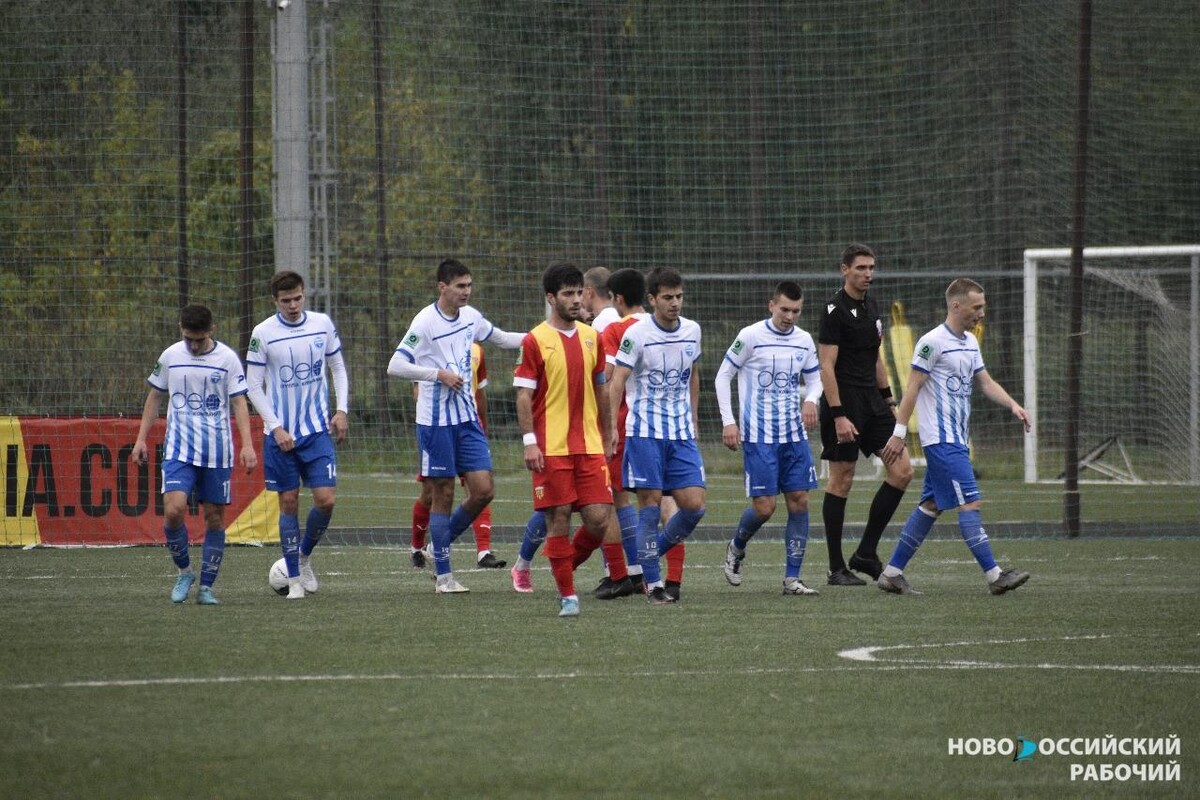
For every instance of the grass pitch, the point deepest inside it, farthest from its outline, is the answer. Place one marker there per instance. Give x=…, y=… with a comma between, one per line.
x=375, y=687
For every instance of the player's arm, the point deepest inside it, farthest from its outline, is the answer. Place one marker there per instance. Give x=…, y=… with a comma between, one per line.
x=534, y=460
x=616, y=391
x=481, y=408
x=604, y=412
x=828, y=356
x=241, y=418
x=141, y=452
x=401, y=366
x=255, y=375
x=730, y=435
x=895, y=445
x=694, y=390
x=504, y=339
x=340, y=423
x=813, y=388
x=881, y=379
x=995, y=392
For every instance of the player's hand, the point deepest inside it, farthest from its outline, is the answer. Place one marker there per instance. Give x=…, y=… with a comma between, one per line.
x=284, y=439
x=249, y=458
x=730, y=436
x=452, y=380
x=846, y=432
x=534, y=461
x=808, y=415
x=140, y=453
x=1022, y=415
x=341, y=426
x=892, y=450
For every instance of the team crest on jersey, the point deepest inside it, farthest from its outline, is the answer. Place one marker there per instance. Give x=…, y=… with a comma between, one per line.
x=854, y=313
x=255, y=346
x=157, y=367
x=216, y=377
x=627, y=345
x=589, y=344
x=925, y=352
x=829, y=308
x=737, y=347
x=319, y=344
x=539, y=492
x=689, y=350
x=411, y=340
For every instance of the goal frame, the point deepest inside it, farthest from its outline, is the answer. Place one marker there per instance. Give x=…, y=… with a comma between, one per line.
x=1034, y=257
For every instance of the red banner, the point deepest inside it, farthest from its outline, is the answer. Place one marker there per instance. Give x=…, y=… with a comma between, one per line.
x=73, y=481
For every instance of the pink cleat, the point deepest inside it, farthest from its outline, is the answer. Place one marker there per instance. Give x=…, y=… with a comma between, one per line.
x=522, y=580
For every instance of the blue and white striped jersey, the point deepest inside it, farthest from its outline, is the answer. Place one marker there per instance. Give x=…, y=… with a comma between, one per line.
x=294, y=356
x=657, y=392
x=441, y=342
x=198, y=389
x=771, y=366
x=944, y=405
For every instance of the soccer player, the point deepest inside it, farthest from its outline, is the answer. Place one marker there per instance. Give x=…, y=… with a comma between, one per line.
x=289, y=352
x=482, y=524
x=857, y=414
x=204, y=381
x=597, y=299
x=770, y=359
x=562, y=409
x=655, y=371
x=436, y=352
x=945, y=365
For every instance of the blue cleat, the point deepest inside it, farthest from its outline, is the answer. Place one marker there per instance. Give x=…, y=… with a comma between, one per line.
x=569, y=607
x=205, y=597
x=183, y=585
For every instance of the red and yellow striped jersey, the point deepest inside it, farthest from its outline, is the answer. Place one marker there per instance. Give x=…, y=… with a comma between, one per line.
x=562, y=370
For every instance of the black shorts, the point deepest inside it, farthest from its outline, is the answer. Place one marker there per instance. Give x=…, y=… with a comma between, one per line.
x=869, y=412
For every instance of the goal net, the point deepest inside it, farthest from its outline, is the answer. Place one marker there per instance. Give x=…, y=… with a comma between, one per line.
x=1139, y=420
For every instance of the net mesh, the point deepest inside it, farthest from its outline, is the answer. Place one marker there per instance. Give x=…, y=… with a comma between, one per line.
x=734, y=139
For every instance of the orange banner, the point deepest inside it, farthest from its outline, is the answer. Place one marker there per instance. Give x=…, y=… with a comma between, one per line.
x=72, y=482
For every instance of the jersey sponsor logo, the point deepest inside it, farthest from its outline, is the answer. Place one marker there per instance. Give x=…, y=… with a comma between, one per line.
x=669, y=378
x=925, y=352
x=255, y=345
x=779, y=379
x=157, y=367
x=411, y=340
x=738, y=344
x=302, y=371
x=829, y=308
x=626, y=345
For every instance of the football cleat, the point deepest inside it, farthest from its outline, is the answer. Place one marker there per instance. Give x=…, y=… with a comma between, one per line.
x=522, y=580
x=672, y=588
x=1009, y=579
x=844, y=577
x=733, y=564
x=568, y=607
x=895, y=584
x=295, y=589
x=611, y=590
x=420, y=558
x=308, y=578
x=489, y=561
x=869, y=566
x=447, y=585
x=796, y=586
x=205, y=596
x=658, y=597
x=183, y=585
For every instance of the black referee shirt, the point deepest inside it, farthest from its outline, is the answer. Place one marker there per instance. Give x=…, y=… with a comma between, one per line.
x=857, y=329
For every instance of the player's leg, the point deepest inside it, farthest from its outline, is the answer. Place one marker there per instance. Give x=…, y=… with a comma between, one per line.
x=676, y=556
x=420, y=523
x=684, y=479
x=643, y=469
x=320, y=475
x=559, y=551
x=474, y=462
x=535, y=534
x=437, y=446
x=842, y=459
x=281, y=472
x=214, y=494
x=915, y=529
x=180, y=477
x=874, y=433
x=760, y=468
x=797, y=477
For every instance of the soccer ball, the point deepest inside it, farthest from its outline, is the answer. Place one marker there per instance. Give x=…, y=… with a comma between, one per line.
x=277, y=577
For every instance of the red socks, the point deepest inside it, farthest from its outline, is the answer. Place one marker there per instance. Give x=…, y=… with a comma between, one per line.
x=560, y=552
x=420, y=524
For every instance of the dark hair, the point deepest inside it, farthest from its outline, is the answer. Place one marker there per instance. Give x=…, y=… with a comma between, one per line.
x=789, y=289
x=629, y=285
x=596, y=278
x=196, y=318
x=662, y=277
x=450, y=269
x=560, y=276
x=285, y=281
x=854, y=251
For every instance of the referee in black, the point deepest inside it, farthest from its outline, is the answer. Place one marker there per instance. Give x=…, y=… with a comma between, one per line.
x=857, y=414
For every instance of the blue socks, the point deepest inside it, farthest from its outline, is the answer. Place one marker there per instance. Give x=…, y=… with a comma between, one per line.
x=460, y=520
x=796, y=540
x=439, y=536
x=314, y=529
x=214, y=550
x=647, y=544
x=289, y=539
x=535, y=534
x=679, y=527
x=915, y=529
x=748, y=525
x=970, y=523
x=177, y=545
x=627, y=518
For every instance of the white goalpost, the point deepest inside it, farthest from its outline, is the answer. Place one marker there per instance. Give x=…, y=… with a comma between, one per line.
x=1140, y=417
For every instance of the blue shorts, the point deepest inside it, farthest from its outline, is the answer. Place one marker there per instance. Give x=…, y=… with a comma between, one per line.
x=774, y=468
x=312, y=459
x=451, y=450
x=949, y=479
x=209, y=484
x=666, y=464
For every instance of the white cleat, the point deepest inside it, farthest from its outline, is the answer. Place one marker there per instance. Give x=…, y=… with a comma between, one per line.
x=733, y=564
x=295, y=589
x=308, y=578
x=796, y=586
x=447, y=585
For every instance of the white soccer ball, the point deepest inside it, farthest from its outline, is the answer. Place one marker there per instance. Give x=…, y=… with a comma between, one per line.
x=277, y=576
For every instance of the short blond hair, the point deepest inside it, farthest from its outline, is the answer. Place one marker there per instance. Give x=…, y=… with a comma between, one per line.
x=959, y=288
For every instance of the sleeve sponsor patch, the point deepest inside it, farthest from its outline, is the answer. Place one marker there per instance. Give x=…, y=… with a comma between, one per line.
x=737, y=347
x=157, y=368
x=255, y=345
x=925, y=352
x=627, y=345
x=412, y=339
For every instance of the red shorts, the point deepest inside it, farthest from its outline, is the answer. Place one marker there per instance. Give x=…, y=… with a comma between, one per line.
x=575, y=481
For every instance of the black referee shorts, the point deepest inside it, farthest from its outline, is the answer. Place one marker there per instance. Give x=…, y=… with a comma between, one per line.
x=869, y=412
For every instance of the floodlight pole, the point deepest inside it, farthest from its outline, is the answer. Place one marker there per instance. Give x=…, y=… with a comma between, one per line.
x=1071, y=500
x=290, y=117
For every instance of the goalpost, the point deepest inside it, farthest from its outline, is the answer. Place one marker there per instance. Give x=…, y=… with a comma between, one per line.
x=1140, y=411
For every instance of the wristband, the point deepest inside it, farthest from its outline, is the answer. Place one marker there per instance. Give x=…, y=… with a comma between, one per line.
x=900, y=431
x=886, y=393
x=528, y=439
x=837, y=411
